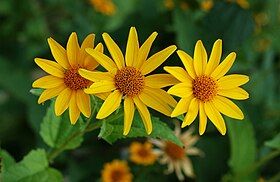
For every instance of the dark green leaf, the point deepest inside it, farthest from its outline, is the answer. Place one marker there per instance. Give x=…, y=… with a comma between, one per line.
x=6, y=160
x=274, y=143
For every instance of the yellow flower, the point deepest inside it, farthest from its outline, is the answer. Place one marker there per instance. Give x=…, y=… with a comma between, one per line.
x=106, y=7
x=142, y=153
x=64, y=80
x=116, y=171
x=176, y=157
x=206, y=5
x=204, y=87
x=169, y=4
x=242, y=3
x=126, y=79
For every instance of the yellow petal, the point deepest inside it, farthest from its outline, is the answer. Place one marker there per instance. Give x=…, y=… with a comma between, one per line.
x=83, y=103
x=102, y=59
x=73, y=49
x=145, y=49
x=48, y=81
x=128, y=114
x=62, y=101
x=179, y=73
x=188, y=63
x=192, y=113
x=202, y=118
x=59, y=53
x=160, y=80
x=90, y=63
x=114, y=50
x=234, y=93
x=157, y=59
x=215, y=57
x=215, y=117
x=227, y=107
x=50, y=67
x=96, y=76
x=74, y=111
x=200, y=58
x=50, y=93
x=144, y=113
x=223, y=68
x=132, y=48
x=181, y=90
x=182, y=106
x=87, y=43
x=101, y=87
x=162, y=95
x=148, y=98
x=112, y=103
x=99, y=47
x=232, y=81
x=103, y=96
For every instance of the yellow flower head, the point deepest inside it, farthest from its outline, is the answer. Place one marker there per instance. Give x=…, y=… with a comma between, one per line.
x=176, y=157
x=116, y=171
x=206, y=5
x=64, y=80
x=106, y=7
x=142, y=153
x=126, y=79
x=205, y=89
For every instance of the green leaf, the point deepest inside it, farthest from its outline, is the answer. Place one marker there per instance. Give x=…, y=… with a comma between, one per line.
x=243, y=148
x=58, y=131
x=6, y=160
x=36, y=91
x=33, y=168
x=274, y=143
x=112, y=129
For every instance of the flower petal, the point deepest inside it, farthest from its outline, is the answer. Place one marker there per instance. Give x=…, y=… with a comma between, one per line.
x=73, y=49
x=104, y=60
x=112, y=103
x=223, y=68
x=83, y=103
x=160, y=80
x=87, y=43
x=157, y=59
x=59, y=53
x=50, y=67
x=62, y=101
x=192, y=113
x=234, y=93
x=181, y=90
x=232, y=81
x=187, y=167
x=215, y=117
x=114, y=50
x=179, y=73
x=163, y=95
x=188, y=63
x=202, y=118
x=132, y=48
x=48, y=81
x=215, y=57
x=101, y=87
x=144, y=113
x=145, y=49
x=128, y=114
x=227, y=107
x=50, y=93
x=200, y=58
x=96, y=76
x=74, y=111
x=182, y=106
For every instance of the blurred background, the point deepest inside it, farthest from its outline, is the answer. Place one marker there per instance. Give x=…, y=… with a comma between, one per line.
x=248, y=27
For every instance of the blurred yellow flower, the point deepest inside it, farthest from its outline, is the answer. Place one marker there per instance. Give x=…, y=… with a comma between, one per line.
x=126, y=80
x=106, y=7
x=169, y=4
x=142, y=153
x=64, y=80
x=204, y=88
x=176, y=157
x=116, y=171
x=206, y=5
x=242, y=3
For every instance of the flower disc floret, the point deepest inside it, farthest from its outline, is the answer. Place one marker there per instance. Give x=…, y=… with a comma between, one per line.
x=74, y=80
x=204, y=88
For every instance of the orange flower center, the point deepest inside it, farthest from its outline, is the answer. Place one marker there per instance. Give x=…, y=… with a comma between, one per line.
x=129, y=81
x=117, y=175
x=74, y=80
x=143, y=153
x=174, y=151
x=204, y=88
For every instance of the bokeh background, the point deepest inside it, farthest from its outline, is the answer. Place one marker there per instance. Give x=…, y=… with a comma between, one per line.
x=251, y=28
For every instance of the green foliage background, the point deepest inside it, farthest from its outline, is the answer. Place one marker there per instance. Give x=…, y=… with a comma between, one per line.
x=249, y=150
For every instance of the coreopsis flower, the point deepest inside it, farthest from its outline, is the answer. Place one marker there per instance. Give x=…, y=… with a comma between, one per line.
x=205, y=89
x=106, y=7
x=116, y=171
x=127, y=79
x=177, y=158
x=142, y=153
x=206, y=5
x=64, y=80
